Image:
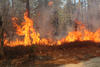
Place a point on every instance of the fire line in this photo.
(27, 30)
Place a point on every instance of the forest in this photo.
(49, 33)
(56, 18)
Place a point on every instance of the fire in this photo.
(84, 35)
(27, 30)
(50, 3)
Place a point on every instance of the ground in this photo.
(50, 56)
(93, 62)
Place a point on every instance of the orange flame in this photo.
(50, 3)
(81, 36)
(27, 30)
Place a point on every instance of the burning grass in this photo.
(27, 30)
(75, 47)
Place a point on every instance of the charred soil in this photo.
(49, 56)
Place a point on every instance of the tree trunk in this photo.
(2, 39)
(74, 1)
(28, 7)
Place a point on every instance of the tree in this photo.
(3, 20)
(2, 38)
(28, 7)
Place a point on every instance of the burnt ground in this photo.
(49, 56)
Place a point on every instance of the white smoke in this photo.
(44, 23)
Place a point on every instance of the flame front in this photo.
(30, 36)
(27, 30)
(84, 35)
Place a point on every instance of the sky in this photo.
(77, 1)
(10, 2)
(64, 3)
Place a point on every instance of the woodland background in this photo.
(51, 21)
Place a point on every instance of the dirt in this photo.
(94, 62)
(49, 56)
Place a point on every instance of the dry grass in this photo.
(75, 52)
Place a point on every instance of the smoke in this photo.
(94, 15)
(45, 22)
(89, 15)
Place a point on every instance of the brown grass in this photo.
(74, 52)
